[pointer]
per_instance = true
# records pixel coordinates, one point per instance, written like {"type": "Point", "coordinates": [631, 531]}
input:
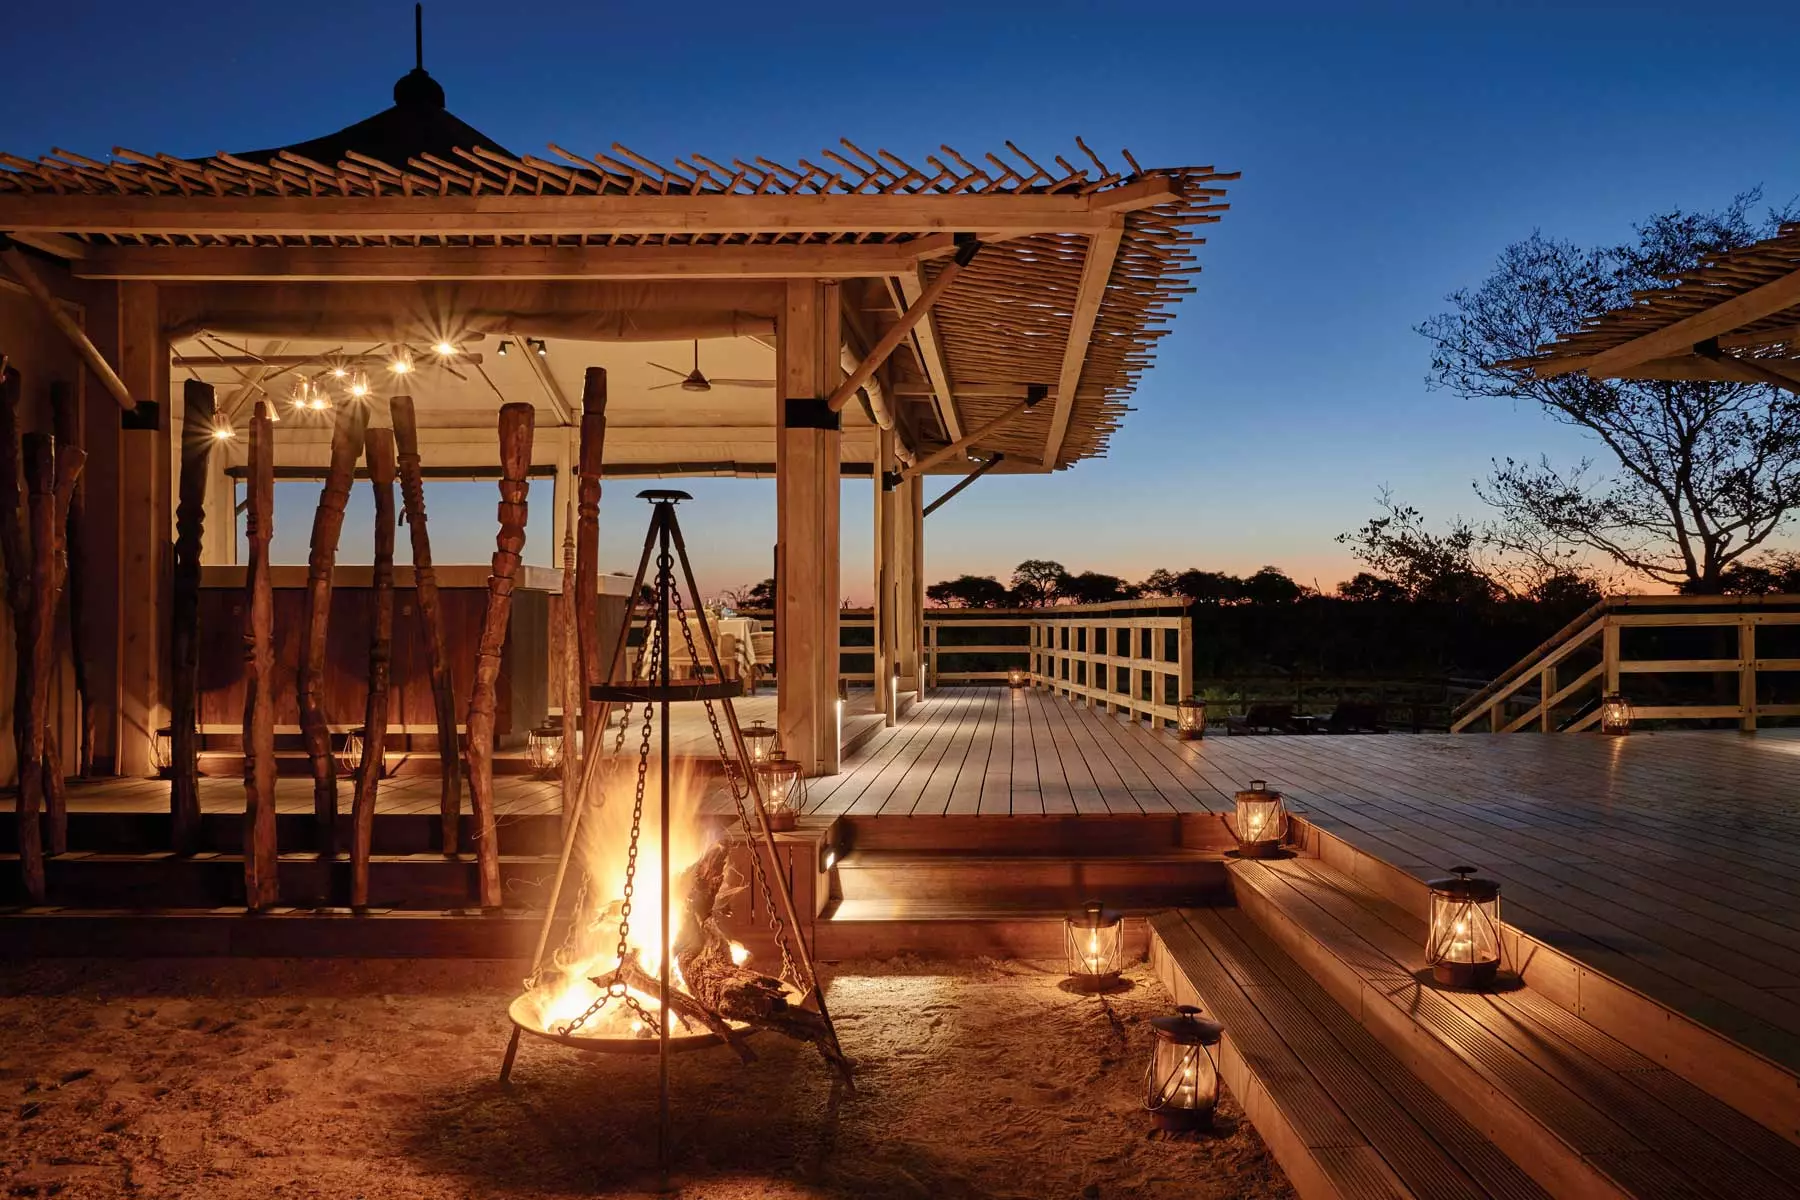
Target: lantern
{"type": "Point", "coordinates": [1190, 718]}
{"type": "Point", "coordinates": [1261, 821]}
{"type": "Point", "coordinates": [544, 747]}
{"type": "Point", "coordinates": [1615, 714]}
{"type": "Point", "coordinates": [1463, 944]}
{"type": "Point", "coordinates": [162, 751]}
{"type": "Point", "coordinates": [1183, 1080]}
{"type": "Point", "coordinates": [760, 739]}
{"type": "Point", "coordinates": [1094, 946]}
{"type": "Point", "coordinates": [1015, 677]}
{"type": "Point", "coordinates": [783, 789]}
{"type": "Point", "coordinates": [350, 757]}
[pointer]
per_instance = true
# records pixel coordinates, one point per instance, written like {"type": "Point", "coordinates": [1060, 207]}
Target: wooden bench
{"type": "Point", "coordinates": [1584, 1113]}
{"type": "Point", "coordinates": [1341, 1114]}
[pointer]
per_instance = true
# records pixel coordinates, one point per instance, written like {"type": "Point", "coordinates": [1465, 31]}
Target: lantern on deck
{"type": "Point", "coordinates": [1015, 677]}
{"type": "Point", "coordinates": [1261, 821]}
{"type": "Point", "coordinates": [1463, 942]}
{"type": "Point", "coordinates": [162, 751]}
{"type": "Point", "coordinates": [350, 757]}
{"type": "Point", "coordinates": [1615, 714]}
{"type": "Point", "coordinates": [1094, 946]}
{"type": "Point", "coordinates": [760, 739]}
{"type": "Point", "coordinates": [544, 747]}
{"type": "Point", "coordinates": [1190, 718]}
{"type": "Point", "coordinates": [783, 789]}
{"type": "Point", "coordinates": [1183, 1080]}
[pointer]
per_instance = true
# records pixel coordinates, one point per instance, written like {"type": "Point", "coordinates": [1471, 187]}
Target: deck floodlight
{"type": "Point", "coordinates": [1261, 820]}
{"type": "Point", "coordinates": [1094, 946]}
{"type": "Point", "coordinates": [1182, 1084]}
{"type": "Point", "coordinates": [1463, 943]}
{"type": "Point", "coordinates": [1190, 718]}
{"type": "Point", "coordinates": [1615, 714]}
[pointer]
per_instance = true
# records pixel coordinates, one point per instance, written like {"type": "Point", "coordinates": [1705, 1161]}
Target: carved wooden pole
{"type": "Point", "coordinates": [328, 523]}
{"type": "Point", "coordinates": [18, 599]}
{"type": "Point", "coordinates": [44, 470]}
{"type": "Point", "coordinates": [412, 491]}
{"type": "Point", "coordinates": [516, 427]}
{"type": "Point", "coordinates": [379, 448]}
{"type": "Point", "coordinates": [70, 459]}
{"type": "Point", "coordinates": [184, 632]}
{"type": "Point", "coordinates": [568, 675]}
{"type": "Point", "coordinates": [261, 885]}
{"type": "Point", "coordinates": [587, 547]}
{"type": "Point", "coordinates": [65, 407]}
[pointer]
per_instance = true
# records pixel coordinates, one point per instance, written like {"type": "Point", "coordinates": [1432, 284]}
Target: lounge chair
{"type": "Point", "coordinates": [1263, 718]}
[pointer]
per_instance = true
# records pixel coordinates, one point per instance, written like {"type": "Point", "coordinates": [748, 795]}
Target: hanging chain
{"type": "Point", "coordinates": [740, 792]}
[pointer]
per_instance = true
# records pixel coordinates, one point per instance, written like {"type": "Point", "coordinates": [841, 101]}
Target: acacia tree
{"type": "Point", "coordinates": [1038, 581]}
{"type": "Point", "coordinates": [1701, 473]}
{"type": "Point", "coordinates": [969, 591]}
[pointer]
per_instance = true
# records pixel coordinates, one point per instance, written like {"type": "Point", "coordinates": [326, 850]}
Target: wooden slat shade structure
{"type": "Point", "coordinates": [1735, 318]}
{"type": "Point", "coordinates": [1081, 259]}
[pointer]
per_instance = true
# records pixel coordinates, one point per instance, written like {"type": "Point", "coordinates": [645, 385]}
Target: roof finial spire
{"type": "Point", "coordinates": [418, 37]}
{"type": "Point", "coordinates": [416, 89]}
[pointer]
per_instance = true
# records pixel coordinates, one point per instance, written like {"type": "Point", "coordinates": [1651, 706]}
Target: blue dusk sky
{"type": "Point", "coordinates": [1388, 152]}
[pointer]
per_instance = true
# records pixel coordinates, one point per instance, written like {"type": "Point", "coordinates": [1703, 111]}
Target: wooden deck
{"type": "Point", "coordinates": [1667, 861]}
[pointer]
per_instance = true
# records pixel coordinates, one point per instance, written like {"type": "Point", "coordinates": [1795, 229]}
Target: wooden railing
{"type": "Point", "coordinates": [1133, 656]}
{"type": "Point", "coordinates": [1650, 649]}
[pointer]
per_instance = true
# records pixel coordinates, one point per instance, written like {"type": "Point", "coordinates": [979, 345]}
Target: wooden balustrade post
{"type": "Point", "coordinates": [328, 523]}
{"type": "Point", "coordinates": [184, 629]}
{"type": "Point", "coordinates": [516, 428]}
{"type": "Point", "coordinates": [378, 448]}
{"type": "Point", "coordinates": [261, 883]}
{"type": "Point", "coordinates": [431, 619]}
{"type": "Point", "coordinates": [587, 549]}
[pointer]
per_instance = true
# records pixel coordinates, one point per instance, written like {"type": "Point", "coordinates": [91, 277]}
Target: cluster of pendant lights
{"type": "Point", "coordinates": [342, 379]}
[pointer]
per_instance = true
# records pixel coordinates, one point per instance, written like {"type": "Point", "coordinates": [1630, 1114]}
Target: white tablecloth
{"type": "Point", "coordinates": [740, 628]}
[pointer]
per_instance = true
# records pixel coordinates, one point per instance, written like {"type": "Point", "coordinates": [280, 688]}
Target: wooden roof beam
{"type": "Point", "coordinates": [900, 330]}
{"type": "Point", "coordinates": [1679, 336]}
{"type": "Point", "coordinates": [906, 288]}
{"type": "Point", "coordinates": [1096, 269]}
{"type": "Point", "coordinates": [27, 275]}
{"type": "Point", "coordinates": [559, 401]}
{"type": "Point", "coordinates": [996, 214]}
{"type": "Point", "coordinates": [1012, 413]}
{"type": "Point", "coordinates": [1695, 367]}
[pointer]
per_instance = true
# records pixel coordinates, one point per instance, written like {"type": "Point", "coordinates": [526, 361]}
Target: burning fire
{"type": "Point", "coordinates": [564, 988]}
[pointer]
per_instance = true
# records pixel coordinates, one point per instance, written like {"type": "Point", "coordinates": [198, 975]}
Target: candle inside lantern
{"type": "Point", "coordinates": [1190, 719]}
{"type": "Point", "coordinates": [783, 786]}
{"type": "Point", "coordinates": [1182, 1082]}
{"type": "Point", "coordinates": [1094, 946]}
{"type": "Point", "coordinates": [1261, 820]}
{"type": "Point", "coordinates": [1463, 949]}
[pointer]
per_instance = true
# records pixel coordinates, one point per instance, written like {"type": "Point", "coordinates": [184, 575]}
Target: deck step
{"type": "Point", "coordinates": [1037, 833]}
{"type": "Point", "coordinates": [1343, 1116]}
{"type": "Point", "coordinates": [884, 928]}
{"type": "Point", "coordinates": [1582, 1112]}
{"type": "Point", "coordinates": [279, 933]}
{"type": "Point", "coordinates": [1048, 883]}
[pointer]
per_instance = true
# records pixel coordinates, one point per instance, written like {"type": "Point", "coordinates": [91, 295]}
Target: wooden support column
{"type": "Point", "coordinates": [516, 425]}
{"type": "Point", "coordinates": [587, 555]}
{"type": "Point", "coordinates": [144, 527]}
{"type": "Point", "coordinates": [328, 524]}
{"type": "Point", "coordinates": [886, 511]}
{"type": "Point", "coordinates": [378, 450]}
{"type": "Point", "coordinates": [569, 675]}
{"type": "Point", "coordinates": [806, 489]}
{"type": "Point", "coordinates": [184, 628]}
{"type": "Point", "coordinates": [909, 524]}
{"type": "Point", "coordinates": [66, 408]}
{"type": "Point", "coordinates": [261, 885]}
{"type": "Point", "coordinates": [431, 621]}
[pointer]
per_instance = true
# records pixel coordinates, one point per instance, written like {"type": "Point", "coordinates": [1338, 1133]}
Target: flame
{"type": "Point", "coordinates": [566, 990]}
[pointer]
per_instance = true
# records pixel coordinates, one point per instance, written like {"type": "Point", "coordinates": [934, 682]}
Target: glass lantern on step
{"type": "Point", "coordinates": [1015, 677]}
{"type": "Point", "coordinates": [760, 739]}
{"type": "Point", "coordinates": [162, 751]}
{"type": "Point", "coordinates": [1094, 946]}
{"type": "Point", "coordinates": [350, 757]}
{"type": "Point", "coordinates": [783, 788]}
{"type": "Point", "coordinates": [1615, 714]}
{"type": "Point", "coordinates": [1261, 821]}
{"type": "Point", "coordinates": [1463, 942]}
{"type": "Point", "coordinates": [1190, 719]}
{"type": "Point", "coordinates": [544, 747]}
{"type": "Point", "coordinates": [1183, 1080]}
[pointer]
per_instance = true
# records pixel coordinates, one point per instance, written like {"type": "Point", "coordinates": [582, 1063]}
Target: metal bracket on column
{"type": "Point", "coordinates": [810, 413]}
{"type": "Point", "coordinates": [891, 480]}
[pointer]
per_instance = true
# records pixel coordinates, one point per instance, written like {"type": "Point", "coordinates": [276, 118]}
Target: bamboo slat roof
{"type": "Point", "coordinates": [1005, 322]}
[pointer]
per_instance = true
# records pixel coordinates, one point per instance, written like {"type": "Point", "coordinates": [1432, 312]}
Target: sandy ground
{"type": "Point", "coordinates": [371, 1079]}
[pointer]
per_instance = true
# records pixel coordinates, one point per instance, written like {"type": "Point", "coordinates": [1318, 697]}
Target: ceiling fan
{"type": "Point", "coordinates": [696, 381]}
